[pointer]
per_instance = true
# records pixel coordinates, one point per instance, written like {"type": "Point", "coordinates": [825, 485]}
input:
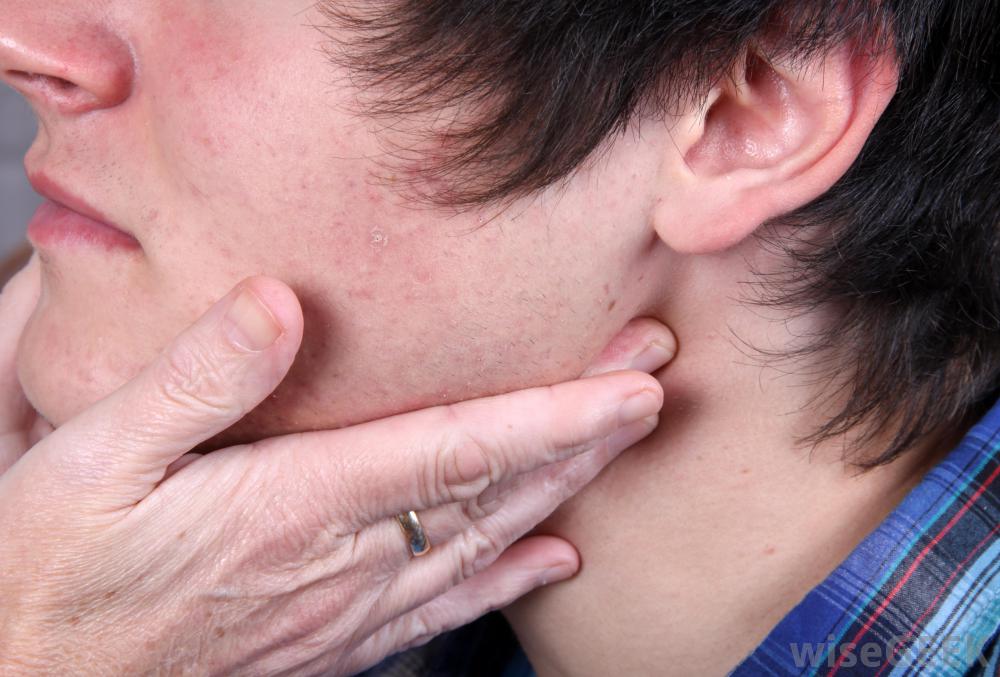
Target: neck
{"type": "Point", "coordinates": [695, 543]}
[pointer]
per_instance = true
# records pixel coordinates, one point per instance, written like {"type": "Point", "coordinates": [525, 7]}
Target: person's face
{"type": "Point", "coordinates": [220, 136]}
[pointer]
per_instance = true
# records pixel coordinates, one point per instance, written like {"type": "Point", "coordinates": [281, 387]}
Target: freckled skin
{"type": "Point", "coordinates": [238, 152]}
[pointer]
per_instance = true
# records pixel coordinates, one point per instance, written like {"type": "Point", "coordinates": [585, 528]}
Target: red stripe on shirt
{"type": "Point", "coordinates": [913, 567]}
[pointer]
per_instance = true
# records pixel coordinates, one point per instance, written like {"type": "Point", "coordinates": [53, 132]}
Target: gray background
{"type": "Point", "coordinates": [17, 200]}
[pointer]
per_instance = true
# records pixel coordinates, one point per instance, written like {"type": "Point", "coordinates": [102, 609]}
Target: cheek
{"type": "Point", "coordinates": [430, 317]}
{"type": "Point", "coordinates": [240, 104]}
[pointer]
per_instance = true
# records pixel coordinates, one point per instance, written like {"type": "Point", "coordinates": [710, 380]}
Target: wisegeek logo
{"type": "Point", "coordinates": [924, 652]}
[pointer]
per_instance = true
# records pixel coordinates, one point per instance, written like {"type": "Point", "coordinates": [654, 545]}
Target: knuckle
{"type": "Point", "coordinates": [422, 626]}
{"type": "Point", "coordinates": [464, 465]}
{"type": "Point", "coordinates": [191, 379]}
{"type": "Point", "coordinates": [471, 466]}
{"type": "Point", "coordinates": [474, 509]}
{"type": "Point", "coordinates": [477, 551]}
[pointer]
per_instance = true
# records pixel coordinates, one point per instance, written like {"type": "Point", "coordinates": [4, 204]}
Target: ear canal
{"type": "Point", "coordinates": [754, 123]}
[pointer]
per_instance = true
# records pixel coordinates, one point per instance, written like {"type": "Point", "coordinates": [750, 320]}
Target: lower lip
{"type": "Point", "coordinates": [55, 225]}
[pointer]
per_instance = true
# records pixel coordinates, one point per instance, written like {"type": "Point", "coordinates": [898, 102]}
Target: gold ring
{"type": "Point", "coordinates": [416, 537]}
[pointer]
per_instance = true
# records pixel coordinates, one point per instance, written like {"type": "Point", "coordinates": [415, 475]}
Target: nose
{"type": "Point", "coordinates": [64, 64]}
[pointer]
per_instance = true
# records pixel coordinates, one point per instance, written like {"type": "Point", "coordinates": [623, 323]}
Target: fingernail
{"type": "Point", "coordinates": [623, 438]}
{"type": "Point", "coordinates": [560, 572]}
{"type": "Point", "coordinates": [637, 407]}
{"type": "Point", "coordinates": [653, 357]}
{"type": "Point", "coordinates": [249, 323]}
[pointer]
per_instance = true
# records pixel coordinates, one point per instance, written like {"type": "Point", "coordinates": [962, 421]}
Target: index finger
{"type": "Point", "coordinates": [452, 453]}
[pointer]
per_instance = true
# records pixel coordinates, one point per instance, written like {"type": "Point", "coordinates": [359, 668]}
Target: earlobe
{"type": "Point", "coordinates": [773, 137]}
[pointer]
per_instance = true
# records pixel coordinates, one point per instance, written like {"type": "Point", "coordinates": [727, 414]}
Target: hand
{"type": "Point", "coordinates": [122, 553]}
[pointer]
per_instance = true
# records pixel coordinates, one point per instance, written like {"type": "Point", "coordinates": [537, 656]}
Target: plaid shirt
{"type": "Point", "coordinates": [919, 596]}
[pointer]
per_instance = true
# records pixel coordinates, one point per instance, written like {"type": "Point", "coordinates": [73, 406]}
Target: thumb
{"type": "Point", "coordinates": [17, 302]}
{"type": "Point", "coordinates": [207, 379]}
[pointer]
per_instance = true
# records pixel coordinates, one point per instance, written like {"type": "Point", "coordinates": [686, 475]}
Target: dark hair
{"type": "Point", "coordinates": [905, 245]}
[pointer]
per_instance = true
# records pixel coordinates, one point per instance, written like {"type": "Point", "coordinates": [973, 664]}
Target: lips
{"type": "Point", "coordinates": [64, 219]}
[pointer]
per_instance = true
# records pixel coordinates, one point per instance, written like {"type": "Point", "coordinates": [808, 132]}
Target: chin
{"type": "Point", "coordinates": [63, 372]}
{"type": "Point", "coordinates": [65, 367]}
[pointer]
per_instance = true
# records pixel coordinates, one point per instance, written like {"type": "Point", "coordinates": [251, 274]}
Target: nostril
{"type": "Point", "coordinates": [21, 76]}
{"type": "Point", "coordinates": [89, 67]}
{"type": "Point", "coordinates": [58, 83]}
{"type": "Point", "coordinates": [65, 94]}
{"type": "Point", "coordinates": [36, 79]}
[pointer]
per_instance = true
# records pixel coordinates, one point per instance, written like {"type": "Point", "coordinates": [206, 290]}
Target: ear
{"type": "Point", "coordinates": [767, 140]}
